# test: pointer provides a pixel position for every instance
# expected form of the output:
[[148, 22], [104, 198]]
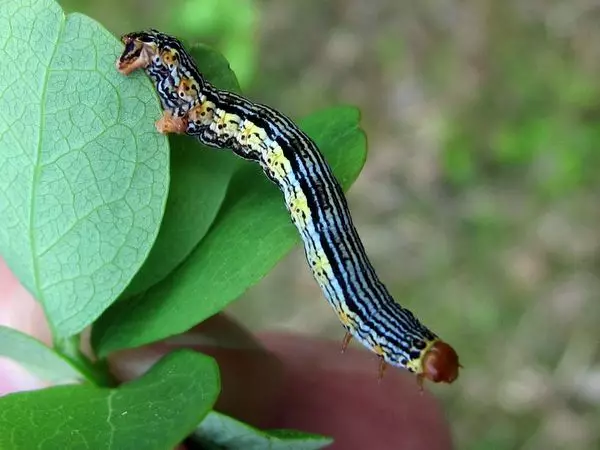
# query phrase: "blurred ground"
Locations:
[[479, 201]]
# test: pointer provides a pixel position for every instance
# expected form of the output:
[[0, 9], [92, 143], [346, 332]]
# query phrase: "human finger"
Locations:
[[339, 395]]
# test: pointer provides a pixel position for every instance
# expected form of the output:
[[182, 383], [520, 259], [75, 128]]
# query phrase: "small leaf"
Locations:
[[223, 432], [156, 411], [214, 67], [37, 358], [251, 234], [199, 179], [83, 173], [228, 25]]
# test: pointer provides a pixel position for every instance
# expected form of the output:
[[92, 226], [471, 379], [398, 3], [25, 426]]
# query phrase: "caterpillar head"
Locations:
[[439, 363]]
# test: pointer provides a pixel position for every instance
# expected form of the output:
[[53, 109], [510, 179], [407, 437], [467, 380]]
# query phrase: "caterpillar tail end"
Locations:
[[134, 56]]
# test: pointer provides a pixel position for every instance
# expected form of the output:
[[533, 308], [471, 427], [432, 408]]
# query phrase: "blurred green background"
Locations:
[[479, 202]]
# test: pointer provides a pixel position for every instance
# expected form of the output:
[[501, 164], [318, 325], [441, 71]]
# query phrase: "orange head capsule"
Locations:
[[440, 364]]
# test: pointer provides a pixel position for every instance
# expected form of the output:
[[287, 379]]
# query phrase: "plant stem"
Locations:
[[95, 372]]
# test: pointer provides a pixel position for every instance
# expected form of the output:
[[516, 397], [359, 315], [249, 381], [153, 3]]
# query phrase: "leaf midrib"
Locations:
[[37, 168]]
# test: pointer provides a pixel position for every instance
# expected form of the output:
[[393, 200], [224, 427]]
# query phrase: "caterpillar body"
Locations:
[[312, 195]]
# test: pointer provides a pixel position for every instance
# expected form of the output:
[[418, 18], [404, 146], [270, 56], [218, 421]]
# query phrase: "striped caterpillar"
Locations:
[[313, 198]]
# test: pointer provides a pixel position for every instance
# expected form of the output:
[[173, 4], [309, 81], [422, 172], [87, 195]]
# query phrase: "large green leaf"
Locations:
[[154, 412], [37, 358], [250, 235], [218, 431], [199, 180], [83, 173]]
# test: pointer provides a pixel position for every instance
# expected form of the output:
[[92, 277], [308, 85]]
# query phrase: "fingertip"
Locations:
[[19, 309], [339, 395], [251, 378]]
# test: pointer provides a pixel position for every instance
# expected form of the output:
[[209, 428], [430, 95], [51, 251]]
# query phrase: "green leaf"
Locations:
[[156, 411], [229, 26], [37, 358], [214, 67], [83, 173], [199, 179], [251, 234], [219, 431]]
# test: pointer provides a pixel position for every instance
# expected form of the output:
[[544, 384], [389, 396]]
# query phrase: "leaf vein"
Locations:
[[37, 167]]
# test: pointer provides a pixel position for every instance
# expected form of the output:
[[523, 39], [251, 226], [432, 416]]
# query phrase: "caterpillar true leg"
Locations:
[[382, 367], [346, 341]]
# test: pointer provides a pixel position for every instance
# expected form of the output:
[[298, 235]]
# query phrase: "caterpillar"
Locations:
[[313, 197]]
